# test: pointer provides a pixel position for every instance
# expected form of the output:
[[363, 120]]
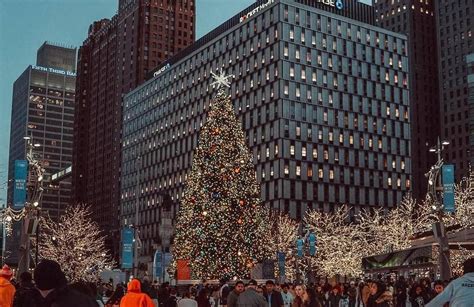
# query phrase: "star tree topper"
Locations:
[[221, 79]]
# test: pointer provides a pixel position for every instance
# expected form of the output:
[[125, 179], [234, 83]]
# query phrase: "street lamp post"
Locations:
[[301, 250], [435, 196], [32, 205], [135, 226]]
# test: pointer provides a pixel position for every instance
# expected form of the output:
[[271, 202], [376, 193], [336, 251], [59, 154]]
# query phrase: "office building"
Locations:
[[416, 20], [43, 109], [454, 23], [117, 56], [323, 98], [470, 82]]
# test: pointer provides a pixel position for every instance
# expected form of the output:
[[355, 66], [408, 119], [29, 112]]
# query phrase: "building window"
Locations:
[[315, 153], [287, 169], [298, 170], [320, 173], [292, 150], [303, 152]]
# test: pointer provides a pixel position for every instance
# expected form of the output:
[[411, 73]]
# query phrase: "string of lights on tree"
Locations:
[[222, 222], [76, 243]]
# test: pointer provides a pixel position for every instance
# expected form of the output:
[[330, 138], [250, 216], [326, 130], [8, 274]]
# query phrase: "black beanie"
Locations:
[[48, 275]]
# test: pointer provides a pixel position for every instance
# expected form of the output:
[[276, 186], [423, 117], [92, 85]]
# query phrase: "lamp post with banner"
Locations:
[[305, 246], [441, 197]]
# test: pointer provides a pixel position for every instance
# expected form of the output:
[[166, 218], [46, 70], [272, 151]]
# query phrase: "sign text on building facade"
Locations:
[[256, 10]]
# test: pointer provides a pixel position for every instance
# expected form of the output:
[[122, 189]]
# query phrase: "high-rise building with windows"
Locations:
[[323, 98], [454, 21], [416, 20], [43, 109], [470, 82], [117, 56]]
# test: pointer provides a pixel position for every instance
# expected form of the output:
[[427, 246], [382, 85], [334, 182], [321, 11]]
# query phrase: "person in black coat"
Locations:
[[52, 285], [273, 297], [26, 295]]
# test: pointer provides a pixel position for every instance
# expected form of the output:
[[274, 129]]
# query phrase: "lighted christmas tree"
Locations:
[[221, 224]]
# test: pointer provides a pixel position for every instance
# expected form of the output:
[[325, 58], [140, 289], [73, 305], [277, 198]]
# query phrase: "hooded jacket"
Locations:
[[459, 293], [7, 292], [135, 297]]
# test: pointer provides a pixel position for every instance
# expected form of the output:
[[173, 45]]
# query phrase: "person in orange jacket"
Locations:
[[7, 290], [135, 297]]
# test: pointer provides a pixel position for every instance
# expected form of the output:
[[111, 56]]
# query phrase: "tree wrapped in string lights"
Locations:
[[76, 243], [222, 223], [340, 247], [282, 237]]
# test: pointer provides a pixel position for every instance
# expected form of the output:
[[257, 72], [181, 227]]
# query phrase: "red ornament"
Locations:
[[237, 169], [241, 202]]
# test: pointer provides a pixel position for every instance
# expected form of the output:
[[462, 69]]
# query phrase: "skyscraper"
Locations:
[[416, 19], [117, 56], [454, 20], [43, 109], [323, 98]]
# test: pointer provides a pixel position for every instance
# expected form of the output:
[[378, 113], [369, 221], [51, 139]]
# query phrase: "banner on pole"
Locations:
[[281, 264], [127, 248], [299, 247], [312, 244], [448, 187], [19, 190], [158, 264]]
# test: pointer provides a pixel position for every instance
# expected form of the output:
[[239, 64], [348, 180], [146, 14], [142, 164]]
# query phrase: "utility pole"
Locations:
[[435, 190]]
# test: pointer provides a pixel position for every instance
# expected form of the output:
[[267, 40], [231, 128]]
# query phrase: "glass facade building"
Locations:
[[454, 23], [416, 20], [43, 109], [323, 99]]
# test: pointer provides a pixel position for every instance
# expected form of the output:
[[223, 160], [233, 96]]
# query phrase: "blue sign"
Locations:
[[281, 263], [312, 244], [299, 247], [448, 187], [158, 264], [19, 190], [127, 248]]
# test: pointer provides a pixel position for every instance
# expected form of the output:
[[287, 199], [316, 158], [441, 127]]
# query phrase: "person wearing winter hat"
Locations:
[[135, 297], [7, 290], [26, 295], [52, 285]]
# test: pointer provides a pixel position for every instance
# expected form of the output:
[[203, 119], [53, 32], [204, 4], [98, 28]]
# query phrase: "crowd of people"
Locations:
[[48, 287]]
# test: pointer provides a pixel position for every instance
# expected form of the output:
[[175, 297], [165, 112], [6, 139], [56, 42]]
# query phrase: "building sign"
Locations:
[[338, 4], [127, 248], [161, 70], [53, 70], [448, 187], [256, 10], [19, 190]]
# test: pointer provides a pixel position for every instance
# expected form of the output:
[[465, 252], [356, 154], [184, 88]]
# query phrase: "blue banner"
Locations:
[[158, 264], [448, 187], [312, 244], [127, 248], [19, 190], [281, 263], [299, 247]]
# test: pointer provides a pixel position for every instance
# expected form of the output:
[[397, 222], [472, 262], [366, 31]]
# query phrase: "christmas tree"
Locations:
[[222, 223]]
